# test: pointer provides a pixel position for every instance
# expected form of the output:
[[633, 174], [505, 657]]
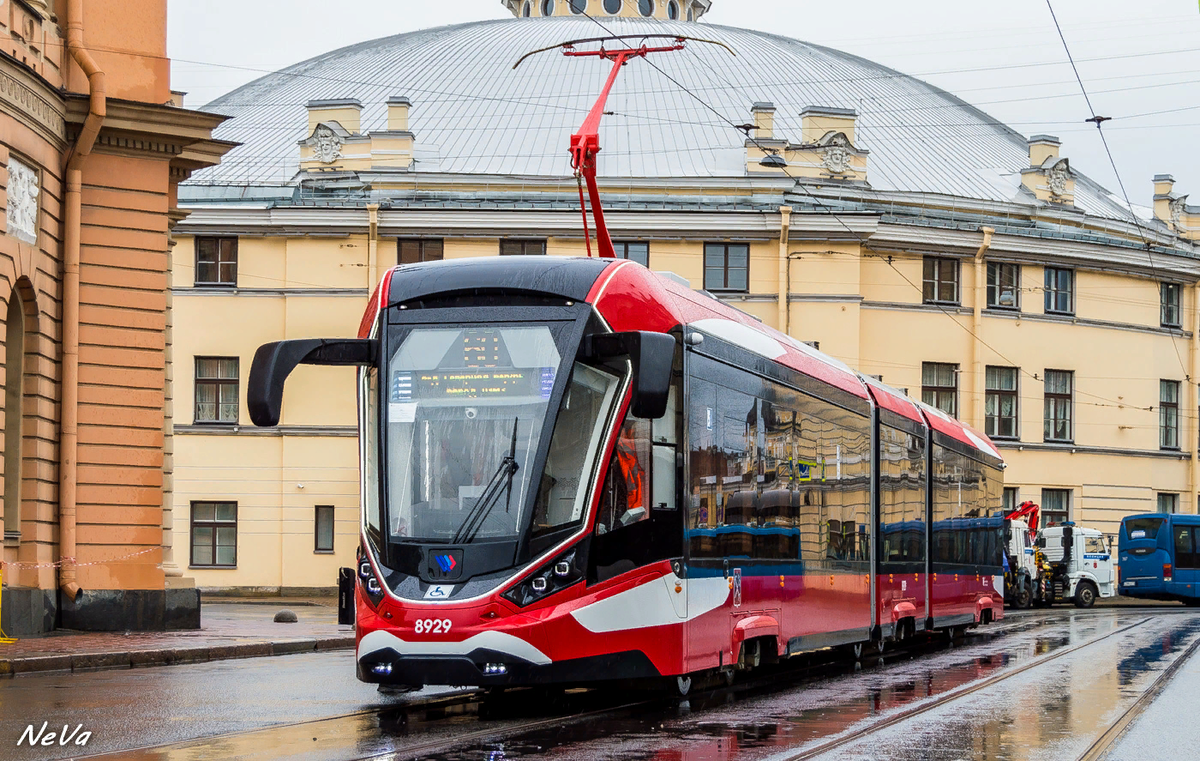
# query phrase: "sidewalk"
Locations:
[[240, 629]]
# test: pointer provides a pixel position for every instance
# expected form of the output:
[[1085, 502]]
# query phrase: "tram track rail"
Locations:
[[938, 701], [1103, 744]]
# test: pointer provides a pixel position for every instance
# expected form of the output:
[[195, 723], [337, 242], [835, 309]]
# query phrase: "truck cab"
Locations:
[[1082, 563], [1020, 578]]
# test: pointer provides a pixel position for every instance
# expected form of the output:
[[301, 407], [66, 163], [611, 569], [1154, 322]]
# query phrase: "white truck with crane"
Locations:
[[1055, 564]]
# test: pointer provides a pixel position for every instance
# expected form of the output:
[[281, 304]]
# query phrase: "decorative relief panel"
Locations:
[[327, 144], [22, 211], [1057, 178], [1177, 208]]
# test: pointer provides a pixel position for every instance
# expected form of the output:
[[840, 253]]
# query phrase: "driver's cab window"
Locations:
[[626, 496], [1094, 545]]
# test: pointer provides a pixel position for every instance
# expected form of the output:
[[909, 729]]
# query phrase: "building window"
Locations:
[[1059, 388], [726, 267], [523, 247], [941, 281], [1003, 285], [613, 6], [547, 7], [1000, 403], [525, 11], [578, 6], [216, 260], [1168, 503], [414, 250], [673, 10], [323, 529], [939, 386], [1168, 414], [1060, 291], [214, 534], [638, 251], [216, 389], [1010, 499], [1056, 506], [646, 7], [1169, 298]]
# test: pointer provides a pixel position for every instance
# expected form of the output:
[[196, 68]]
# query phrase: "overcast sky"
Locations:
[[1140, 61]]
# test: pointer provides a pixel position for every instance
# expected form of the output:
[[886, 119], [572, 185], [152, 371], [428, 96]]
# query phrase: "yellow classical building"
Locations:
[[895, 226]]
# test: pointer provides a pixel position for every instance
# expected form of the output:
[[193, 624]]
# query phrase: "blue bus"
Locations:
[[1159, 557]]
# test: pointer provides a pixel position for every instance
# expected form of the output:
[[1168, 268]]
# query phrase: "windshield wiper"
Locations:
[[501, 479]]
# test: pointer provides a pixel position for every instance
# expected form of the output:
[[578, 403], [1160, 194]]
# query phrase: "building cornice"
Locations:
[[893, 237], [28, 98], [133, 128], [1080, 449], [279, 430], [275, 292], [1087, 322]]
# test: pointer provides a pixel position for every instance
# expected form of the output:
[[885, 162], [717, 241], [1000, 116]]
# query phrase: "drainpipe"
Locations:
[[784, 313], [977, 396], [72, 216], [372, 246], [1193, 378]]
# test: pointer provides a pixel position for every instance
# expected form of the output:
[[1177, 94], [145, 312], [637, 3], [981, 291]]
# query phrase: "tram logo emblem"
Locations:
[[445, 565], [737, 587]]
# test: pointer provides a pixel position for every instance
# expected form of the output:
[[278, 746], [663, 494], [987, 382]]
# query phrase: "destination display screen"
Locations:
[[472, 384], [479, 364]]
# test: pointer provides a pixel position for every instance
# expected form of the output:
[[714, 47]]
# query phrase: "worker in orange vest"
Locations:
[[634, 475]]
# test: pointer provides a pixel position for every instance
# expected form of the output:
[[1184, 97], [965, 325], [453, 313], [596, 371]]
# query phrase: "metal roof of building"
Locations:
[[473, 114]]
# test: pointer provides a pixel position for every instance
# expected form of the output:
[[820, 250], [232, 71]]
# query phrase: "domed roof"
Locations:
[[473, 114]]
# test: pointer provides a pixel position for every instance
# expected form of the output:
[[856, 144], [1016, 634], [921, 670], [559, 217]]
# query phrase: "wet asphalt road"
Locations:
[[1053, 710]]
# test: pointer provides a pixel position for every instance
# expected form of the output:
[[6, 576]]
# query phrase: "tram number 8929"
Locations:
[[432, 626]]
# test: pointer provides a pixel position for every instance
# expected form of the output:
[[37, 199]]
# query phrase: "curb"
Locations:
[[168, 656]]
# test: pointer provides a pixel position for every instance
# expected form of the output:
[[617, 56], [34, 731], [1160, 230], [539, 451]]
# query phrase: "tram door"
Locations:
[[664, 489]]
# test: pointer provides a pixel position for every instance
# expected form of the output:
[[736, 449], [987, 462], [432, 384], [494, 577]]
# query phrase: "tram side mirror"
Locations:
[[652, 356], [274, 362]]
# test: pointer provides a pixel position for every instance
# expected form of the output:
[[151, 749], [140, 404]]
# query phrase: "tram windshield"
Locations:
[[466, 407]]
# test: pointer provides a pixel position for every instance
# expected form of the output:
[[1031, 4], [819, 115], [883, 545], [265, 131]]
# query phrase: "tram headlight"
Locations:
[[366, 577], [555, 576]]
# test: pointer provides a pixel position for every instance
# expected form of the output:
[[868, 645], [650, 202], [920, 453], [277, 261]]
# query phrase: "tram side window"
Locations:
[[369, 403], [844, 448], [776, 474], [966, 497], [902, 496], [738, 470], [626, 496], [702, 505], [1186, 555]]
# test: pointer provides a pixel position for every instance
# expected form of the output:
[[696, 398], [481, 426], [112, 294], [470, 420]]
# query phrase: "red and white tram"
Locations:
[[574, 470], [577, 470]]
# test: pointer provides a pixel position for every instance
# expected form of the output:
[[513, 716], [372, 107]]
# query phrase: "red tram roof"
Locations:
[[633, 298], [956, 429], [892, 399]]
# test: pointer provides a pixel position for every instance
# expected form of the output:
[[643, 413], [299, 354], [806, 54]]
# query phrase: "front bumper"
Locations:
[[470, 669]]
